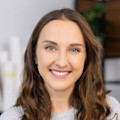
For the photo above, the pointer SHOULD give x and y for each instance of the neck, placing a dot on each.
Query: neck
(60, 101)
(60, 104)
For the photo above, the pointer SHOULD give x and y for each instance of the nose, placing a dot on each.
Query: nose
(61, 60)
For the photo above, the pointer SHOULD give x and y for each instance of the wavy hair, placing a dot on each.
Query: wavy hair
(88, 96)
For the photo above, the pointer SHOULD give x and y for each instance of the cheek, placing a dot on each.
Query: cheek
(78, 66)
(44, 60)
(42, 64)
(78, 63)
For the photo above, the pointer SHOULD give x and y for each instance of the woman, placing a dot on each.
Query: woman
(62, 73)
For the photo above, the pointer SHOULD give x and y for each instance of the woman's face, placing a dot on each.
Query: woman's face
(60, 54)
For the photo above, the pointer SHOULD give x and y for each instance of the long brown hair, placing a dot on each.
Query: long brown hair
(88, 96)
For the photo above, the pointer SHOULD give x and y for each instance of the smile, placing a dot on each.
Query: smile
(60, 74)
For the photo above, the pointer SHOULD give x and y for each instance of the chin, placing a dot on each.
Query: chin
(61, 88)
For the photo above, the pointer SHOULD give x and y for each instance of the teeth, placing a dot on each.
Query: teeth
(59, 73)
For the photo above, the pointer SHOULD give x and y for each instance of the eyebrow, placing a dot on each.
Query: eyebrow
(49, 41)
(76, 44)
(72, 44)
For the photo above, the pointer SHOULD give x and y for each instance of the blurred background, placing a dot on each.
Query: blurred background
(103, 17)
(17, 21)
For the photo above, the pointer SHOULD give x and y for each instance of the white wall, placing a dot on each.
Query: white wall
(19, 17)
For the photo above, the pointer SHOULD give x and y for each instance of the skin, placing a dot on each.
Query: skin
(60, 56)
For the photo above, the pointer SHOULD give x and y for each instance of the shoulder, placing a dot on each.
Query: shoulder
(114, 107)
(14, 113)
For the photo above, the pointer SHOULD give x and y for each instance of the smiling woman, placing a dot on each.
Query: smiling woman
(65, 52)
(62, 73)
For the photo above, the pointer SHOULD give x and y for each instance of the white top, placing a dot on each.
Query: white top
(15, 113)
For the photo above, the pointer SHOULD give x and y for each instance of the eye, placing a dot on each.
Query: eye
(74, 50)
(50, 48)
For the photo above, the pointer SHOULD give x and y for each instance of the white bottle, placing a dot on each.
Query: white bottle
(15, 49)
(9, 81)
(16, 57)
(3, 60)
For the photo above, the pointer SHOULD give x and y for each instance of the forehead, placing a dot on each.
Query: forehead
(61, 29)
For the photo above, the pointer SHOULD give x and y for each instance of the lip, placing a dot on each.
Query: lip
(61, 74)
